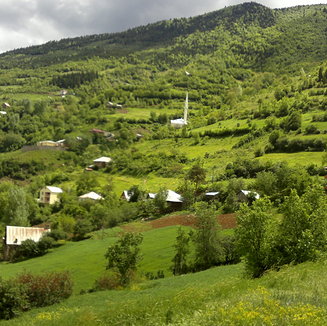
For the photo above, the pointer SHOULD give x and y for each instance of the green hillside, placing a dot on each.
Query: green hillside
(256, 83)
(85, 259)
(292, 296)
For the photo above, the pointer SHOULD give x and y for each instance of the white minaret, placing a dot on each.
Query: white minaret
(186, 108)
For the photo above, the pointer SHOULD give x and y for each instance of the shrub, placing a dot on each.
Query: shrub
(106, 282)
(46, 289)
(45, 244)
(13, 299)
(57, 235)
(29, 249)
(311, 129)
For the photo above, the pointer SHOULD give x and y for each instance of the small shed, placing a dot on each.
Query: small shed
(50, 195)
(102, 162)
(91, 195)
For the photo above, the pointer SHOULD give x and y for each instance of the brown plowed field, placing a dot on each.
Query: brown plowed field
(227, 221)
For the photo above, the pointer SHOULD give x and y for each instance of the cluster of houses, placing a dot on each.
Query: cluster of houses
(50, 195)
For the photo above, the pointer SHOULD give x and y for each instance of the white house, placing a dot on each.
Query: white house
(245, 195)
(50, 195)
(172, 197)
(15, 235)
(125, 195)
(211, 195)
(6, 105)
(102, 161)
(91, 195)
(50, 143)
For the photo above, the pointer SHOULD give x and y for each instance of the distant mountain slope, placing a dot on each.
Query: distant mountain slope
(249, 29)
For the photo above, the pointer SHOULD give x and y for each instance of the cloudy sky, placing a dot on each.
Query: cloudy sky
(29, 22)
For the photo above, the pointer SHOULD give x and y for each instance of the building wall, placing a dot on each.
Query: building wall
(47, 197)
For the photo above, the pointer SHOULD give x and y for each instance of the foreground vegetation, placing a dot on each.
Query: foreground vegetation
(292, 296)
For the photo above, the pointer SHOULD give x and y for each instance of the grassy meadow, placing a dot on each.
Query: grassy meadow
(85, 259)
(218, 296)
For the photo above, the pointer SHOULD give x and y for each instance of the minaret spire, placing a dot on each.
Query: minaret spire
(186, 108)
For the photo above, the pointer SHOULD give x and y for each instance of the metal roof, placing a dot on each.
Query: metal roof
(91, 195)
(212, 193)
(54, 189)
(103, 159)
(247, 192)
(172, 196)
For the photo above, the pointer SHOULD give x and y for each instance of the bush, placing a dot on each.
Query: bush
(13, 299)
(46, 289)
(311, 130)
(57, 235)
(106, 282)
(45, 244)
(29, 249)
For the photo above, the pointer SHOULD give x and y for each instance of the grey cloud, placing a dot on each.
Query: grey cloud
(23, 22)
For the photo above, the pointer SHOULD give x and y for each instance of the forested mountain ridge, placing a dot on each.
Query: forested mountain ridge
(240, 22)
(159, 33)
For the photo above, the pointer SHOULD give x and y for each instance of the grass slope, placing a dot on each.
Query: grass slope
(219, 296)
(85, 259)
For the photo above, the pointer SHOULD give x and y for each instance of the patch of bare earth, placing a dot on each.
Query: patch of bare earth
(227, 221)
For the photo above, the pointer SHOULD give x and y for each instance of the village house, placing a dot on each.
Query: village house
(102, 162)
(91, 195)
(181, 122)
(247, 196)
(15, 235)
(5, 105)
(125, 195)
(63, 93)
(173, 199)
(50, 143)
(50, 195)
(114, 105)
(211, 195)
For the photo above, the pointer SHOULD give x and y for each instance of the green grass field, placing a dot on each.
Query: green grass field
(85, 259)
(141, 113)
(300, 158)
(218, 296)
